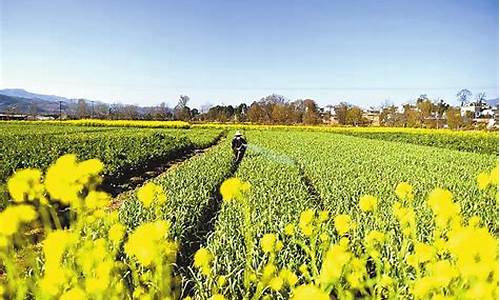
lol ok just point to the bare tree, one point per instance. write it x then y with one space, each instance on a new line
463 96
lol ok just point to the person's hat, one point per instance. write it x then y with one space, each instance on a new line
237 133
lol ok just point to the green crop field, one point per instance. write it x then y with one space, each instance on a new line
316 213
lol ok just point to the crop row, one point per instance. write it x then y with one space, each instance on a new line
344 168
108 123
122 150
470 141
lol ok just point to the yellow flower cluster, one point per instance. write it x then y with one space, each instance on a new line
146 243
202 260
119 123
25 185
80 261
456 261
151 192
486 179
233 189
66 179
368 203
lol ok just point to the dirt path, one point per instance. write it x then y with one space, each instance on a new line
120 191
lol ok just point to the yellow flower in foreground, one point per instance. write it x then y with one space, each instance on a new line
233 189
374 238
404 191
289 229
335 259
442 205
66 178
267 242
116 232
25 185
343 224
221 281
97 199
289 277
494 176
483 180
276 283
368 203
309 292
217 297
14 216
323 216
73 294
305 222
151 192
147 241
202 260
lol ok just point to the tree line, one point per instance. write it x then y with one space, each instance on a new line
276 109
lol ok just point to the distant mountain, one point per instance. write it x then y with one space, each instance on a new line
20 93
492 102
27 106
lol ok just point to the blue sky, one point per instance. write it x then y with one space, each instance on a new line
146 52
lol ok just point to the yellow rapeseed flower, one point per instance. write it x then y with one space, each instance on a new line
289 229
335 259
221 281
74 294
483 180
95 200
368 203
268 272
288 277
217 297
442 205
151 192
276 283
233 189
13 217
323 216
442 272
267 242
202 260
343 224
309 292
25 185
146 241
423 286
374 238
494 176
305 222
116 232
404 191
66 178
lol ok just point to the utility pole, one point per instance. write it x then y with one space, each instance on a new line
92 114
60 110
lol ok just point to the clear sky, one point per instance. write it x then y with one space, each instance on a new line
146 52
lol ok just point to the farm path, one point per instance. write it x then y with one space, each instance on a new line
120 190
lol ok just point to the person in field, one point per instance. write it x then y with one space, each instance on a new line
239 145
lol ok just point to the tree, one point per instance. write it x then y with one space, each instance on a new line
410 116
425 108
480 98
256 114
354 116
453 118
341 112
240 112
440 108
181 110
311 113
279 114
463 96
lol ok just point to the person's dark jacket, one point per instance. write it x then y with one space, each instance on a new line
239 143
